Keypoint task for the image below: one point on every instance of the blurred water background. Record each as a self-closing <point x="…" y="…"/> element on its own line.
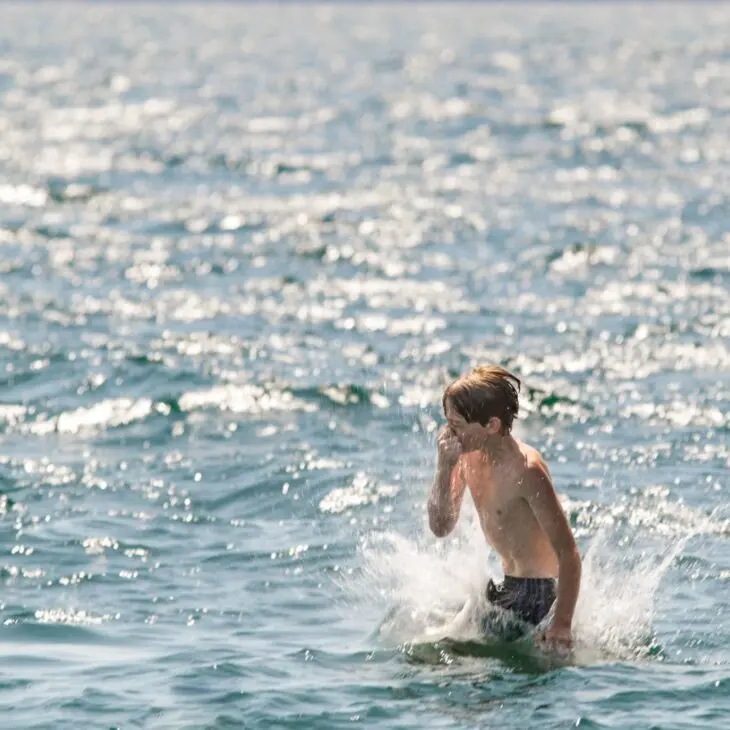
<point x="243" y="247"/>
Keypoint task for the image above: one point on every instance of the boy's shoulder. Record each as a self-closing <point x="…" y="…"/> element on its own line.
<point x="535" y="468"/>
<point x="533" y="459"/>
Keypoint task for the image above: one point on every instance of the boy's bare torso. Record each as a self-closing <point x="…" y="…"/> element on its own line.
<point x="507" y="520"/>
<point x="520" y="513"/>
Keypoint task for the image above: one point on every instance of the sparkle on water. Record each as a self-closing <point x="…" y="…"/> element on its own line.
<point x="243" y="248"/>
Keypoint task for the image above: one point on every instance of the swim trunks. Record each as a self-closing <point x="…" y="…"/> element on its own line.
<point x="529" y="599"/>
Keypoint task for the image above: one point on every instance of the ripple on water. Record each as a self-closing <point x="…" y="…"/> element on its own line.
<point x="241" y="253"/>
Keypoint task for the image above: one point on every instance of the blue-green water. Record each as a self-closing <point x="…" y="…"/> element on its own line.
<point x="242" y="248"/>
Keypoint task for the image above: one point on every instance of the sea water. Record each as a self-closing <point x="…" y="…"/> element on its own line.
<point x="243" y="247"/>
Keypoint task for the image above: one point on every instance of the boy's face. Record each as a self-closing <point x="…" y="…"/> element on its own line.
<point x="470" y="435"/>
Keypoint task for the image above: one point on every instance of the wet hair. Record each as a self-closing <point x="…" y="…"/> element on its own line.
<point x="485" y="392"/>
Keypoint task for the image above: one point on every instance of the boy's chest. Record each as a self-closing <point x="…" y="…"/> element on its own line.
<point x="494" y="491"/>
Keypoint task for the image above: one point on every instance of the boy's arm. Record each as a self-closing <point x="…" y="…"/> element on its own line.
<point x="540" y="495"/>
<point x="444" y="500"/>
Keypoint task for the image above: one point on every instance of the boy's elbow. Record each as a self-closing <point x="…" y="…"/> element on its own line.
<point x="440" y="529"/>
<point x="439" y="526"/>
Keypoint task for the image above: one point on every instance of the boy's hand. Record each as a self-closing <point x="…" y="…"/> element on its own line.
<point x="449" y="447"/>
<point x="556" y="638"/>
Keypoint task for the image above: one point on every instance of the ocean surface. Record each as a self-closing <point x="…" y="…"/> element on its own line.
<point x="242" y="250"/>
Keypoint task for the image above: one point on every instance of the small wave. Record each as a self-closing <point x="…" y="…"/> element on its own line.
<point x="348" y="395"/>
<point x="110" y="413"/>
<point x="72" y="617"/>
<point x="72" y="191"/>
<point x="362" y="491"/>
<point x="99" y="545"/>
<point x="679" y="414"/>
<point x="650" y="512"/>
<point x="24" y="195"/>
<point x="12" y="414"/>
<point x="250" y="398"/>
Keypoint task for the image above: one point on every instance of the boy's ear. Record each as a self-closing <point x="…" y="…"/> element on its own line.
<point x="494" y="425"/>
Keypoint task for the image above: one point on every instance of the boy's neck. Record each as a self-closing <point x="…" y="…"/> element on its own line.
<point x="499" y="447"/>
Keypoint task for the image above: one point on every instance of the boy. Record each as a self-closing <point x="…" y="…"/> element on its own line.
<point x="518" y="509"/>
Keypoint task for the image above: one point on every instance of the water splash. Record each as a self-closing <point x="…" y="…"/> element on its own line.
<point x="619" y="589"/>
<point x="435" y="590"/>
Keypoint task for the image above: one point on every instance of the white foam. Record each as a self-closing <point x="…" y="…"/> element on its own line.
<point x="619" y="587"/>
<point x="109" y="413"/>
<point x="362" y="491"/>
<point x="71" y="616"/>
<point x="12" y="414"/>
<point x="433" y="589"/>
<point x="243" y="399"/>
